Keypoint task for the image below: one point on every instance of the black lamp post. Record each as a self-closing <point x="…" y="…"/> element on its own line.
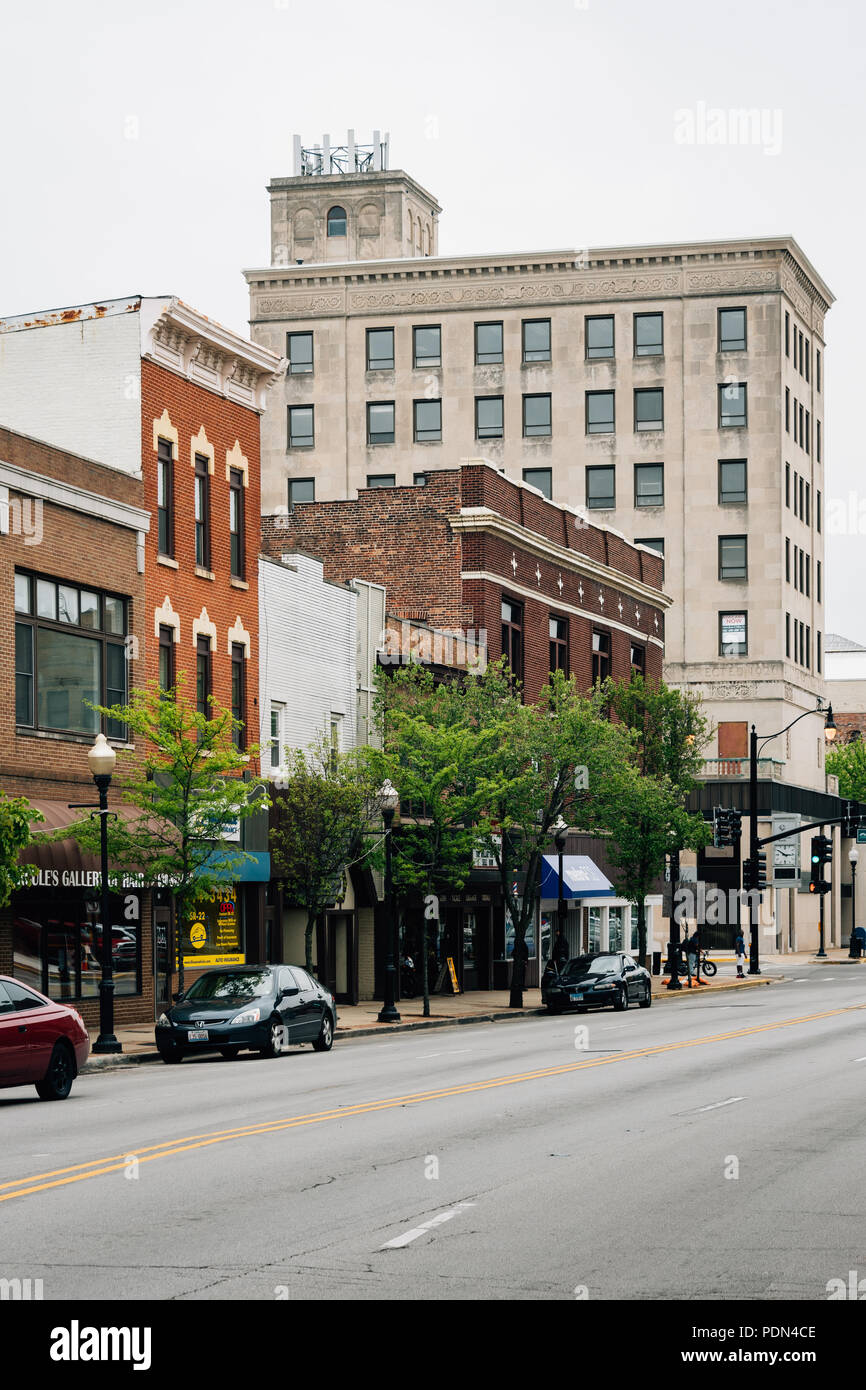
<point x="389" y="800"/>
<point x="830" y="732"/>
<point x="854" y="860"/>
<point x="101" y="760"/>
<point x="560" y="836"/>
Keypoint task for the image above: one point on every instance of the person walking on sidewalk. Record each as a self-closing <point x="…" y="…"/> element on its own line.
<point x="740" y="948"/>
<point x="693" y="956"/>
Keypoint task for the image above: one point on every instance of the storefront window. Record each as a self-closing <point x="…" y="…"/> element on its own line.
<point x="615" y="940"/>
<point x="57" y="942"/>
<point x="213" y="935"/>
<point x="594" y="929"/>
<point x="634" y="932"/>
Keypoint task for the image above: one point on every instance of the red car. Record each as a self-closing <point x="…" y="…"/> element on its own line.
<point x="42" y="1043"/>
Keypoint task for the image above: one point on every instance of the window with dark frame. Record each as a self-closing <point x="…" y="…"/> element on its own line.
<point x="600" y="412"/>
<point x="649" y="335"/>
<point x="489" y="417"/>
<point x="788" y="636"/>
<point x="542" y="478"/>
<point x="600" y="656"/>
<point x="638" y="660"/>
<point x="818" y="370"/>
<point x="337" y="222"/>
<point x="489" y="346"/>
<point x="819" y="651"/>
<point x="376" y="480"/>
<point x="599" y="336"/>
<point x="787" y="334"/>
<point x="302" y="433"/>
<point x="559" y="645"/>
<point x="732" y="405"/>
<point x="427" y="346"/>
<point x="732" y="330"/>
<point x="787" y="560"/>
<point x="512" y="636"/>
<point x="787" y="484"/>
<point x="734" y="634"/>
<point x="70" y="653"/>
<point x="380" y="422"/>
<point x="428" y="421"/>
<point x="733" y="486"/>
<point x="299" y="351"/>
<point x="601" y="487"/>
<point x="380" y="349"/>
<point x="649" y="410"/>
<point x="733" y="558"/>
<point x="236" y="522"/>
<point x="167" y="676"/>
<point x="202" y="512"/>
<point x="649" y="484"/>
<point x="536" y="340"/>
<point x="537" y="416"/>
<point x="203" y="679"/>
<point x="165" y="498"/>
<point x="301" y="490"/>
<point x="788" y="409"/>
<point x="239" y="711"/>
<point x="819" y="588"/>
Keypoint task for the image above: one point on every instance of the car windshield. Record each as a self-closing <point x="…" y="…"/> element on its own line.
<point x="235" y="987"/>
<point x="590" y="965"/>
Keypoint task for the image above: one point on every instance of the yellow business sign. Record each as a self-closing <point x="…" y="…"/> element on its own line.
<point x="453" y="973"/>
<point x="213" y="937"/>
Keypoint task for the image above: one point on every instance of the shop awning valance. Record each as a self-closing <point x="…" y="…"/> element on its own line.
<point x="581" y="878"/>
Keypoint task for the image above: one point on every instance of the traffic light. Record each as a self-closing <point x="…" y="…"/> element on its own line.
<point x="727" y="827"/>
<point x="822" y="853"/>
<point x="755" y="872"/>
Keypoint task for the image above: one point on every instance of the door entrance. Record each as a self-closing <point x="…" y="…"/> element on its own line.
<point x="161" y="959"/>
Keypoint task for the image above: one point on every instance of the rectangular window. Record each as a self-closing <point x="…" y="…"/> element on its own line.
<point x="819" y="588"/>
<point x="818" y="440"/>
<point x="808" y="433"/>
<point x="236" y="522"/>
<point x="381" y="480"/>
<point x="559" y="644"/>
<point x="732" y="330"/>
<point x="733" y="558"/>
<point x="165" y="497"/>
<point x="380" y="422"/>
<point x="428" y="422"/>
<point x="428" y="347"/>
<point x="512" y="636"/>
<point x="808" y="505"/>
<point x="796" y="642"/>
<point x="732" y="482"/>
<point x="732" y="405"/>
<point x="301" y="490"/>
<point x="649" y="410"/>
<point x="787" y="335"/>
<point x="649" y="484"/>
<point x="299" y="351"/>
<point x="537" y="412"/>
<point x="202" y="512"/>
<point x="276" y="739"/>
<point x="638" y="660"/>
<point x="167" y="678"/>
<point x="802" y="511"/>
<point x="489" y="417"/>
<point x="802" y="571"/>
<point x="489" y="348"/>
<point x="600" y="488"/>
<point x="419" y="480"/>
<point x="802" y="409"/>
<point x="203" y="676"/>
<point x="818" y="511"/>
<point x="788" y="409"/>
<point x="239" y="714"/>
<point x="808" y="576"/>
<point x="536" y="340"/>
<point x="796" y="437"/>
<point x="787" y="560"/>
<point x="649" y="335"/>
<point x="599" y="336"/>
<point x="542" y="478"/>
<point x="802" y="628"/>
<point x="800" y="359"/>
<point x="788" y="636"/>
<point x="600" y="412"/>
<point x="654" y="543"/>
<point x="380" y="349"/>
<point x="70" y="653"/>
<point x="302" y="433"/>
<point x="787" y="484"/>
<point x="796" y="569"/>
<point x="808" y="358"/>
<point x="600" y="656"/>
<point x="733" y="634"/>
<point x="819" y="651"/>
<point x="818" y="370"/>
<point x="808" y="649"/>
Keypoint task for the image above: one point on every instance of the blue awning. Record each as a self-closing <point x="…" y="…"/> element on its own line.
<point x="581" y="878"/>
<point x="250" y="868"/>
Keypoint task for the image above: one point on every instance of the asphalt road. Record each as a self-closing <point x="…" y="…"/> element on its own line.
<point x="707" y="1148"/>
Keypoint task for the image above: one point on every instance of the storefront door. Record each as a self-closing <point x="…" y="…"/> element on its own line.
<point x="161" y="959"/>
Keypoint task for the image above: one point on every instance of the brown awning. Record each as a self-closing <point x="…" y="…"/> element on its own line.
<point x="65" y="856"/>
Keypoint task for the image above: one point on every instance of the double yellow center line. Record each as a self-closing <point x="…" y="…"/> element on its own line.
<point x="114" y="1163"/>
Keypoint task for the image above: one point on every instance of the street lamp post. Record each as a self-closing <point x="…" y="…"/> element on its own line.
<point x="101" y="760"/>
<point x="389" y="801"/>
<point x="754" y="838"/>
<point x="560" y="835"/>
<point x="854" y="860"/>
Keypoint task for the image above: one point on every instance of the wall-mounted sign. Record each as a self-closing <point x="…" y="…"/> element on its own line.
<point x="213" y="936"/>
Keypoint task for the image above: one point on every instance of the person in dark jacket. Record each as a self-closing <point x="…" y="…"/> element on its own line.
<point x="740" y="949"/>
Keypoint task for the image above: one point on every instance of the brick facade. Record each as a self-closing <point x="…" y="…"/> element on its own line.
<point x="449" y="552"/>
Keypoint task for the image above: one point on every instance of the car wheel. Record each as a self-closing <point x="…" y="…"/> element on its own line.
<point x="57" y="1081"/>
<point x="620" y="1004"/>
<point x="274" y="1045"/>
<point x="172" y="1055"/>
<point x="229" y="1053"/>
<point x="325" y="1041"/>
<point x="646" y="1002"/>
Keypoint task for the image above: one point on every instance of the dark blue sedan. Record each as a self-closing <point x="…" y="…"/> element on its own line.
<point x="604" y="980"/>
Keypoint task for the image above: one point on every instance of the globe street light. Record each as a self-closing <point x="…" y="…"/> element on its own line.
<point x="389" y="800"/>
<point x="101" y="760"/>
<point x="560" y="833"/>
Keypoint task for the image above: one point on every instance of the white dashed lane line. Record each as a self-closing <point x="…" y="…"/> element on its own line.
<point x="720" y="1105"/>
<point x="418" y="1231"/>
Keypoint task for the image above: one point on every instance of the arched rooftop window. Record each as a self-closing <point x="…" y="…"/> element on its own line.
<point x="337" y="222"/>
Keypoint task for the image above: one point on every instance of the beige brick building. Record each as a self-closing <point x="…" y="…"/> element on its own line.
<point x="674" y="392"/>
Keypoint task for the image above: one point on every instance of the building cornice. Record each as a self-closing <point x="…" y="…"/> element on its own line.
<point x="76" y="499"/>
<point x="511" y="586"/>
<point x="193" y="346"/>
<point x="471" y="520"/>
<point x="370" y="179"/>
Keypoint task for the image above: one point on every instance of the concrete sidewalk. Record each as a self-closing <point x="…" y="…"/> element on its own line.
<point x="361" y="1020"/>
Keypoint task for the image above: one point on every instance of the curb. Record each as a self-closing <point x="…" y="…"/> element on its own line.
<point x="118" y="1063"/>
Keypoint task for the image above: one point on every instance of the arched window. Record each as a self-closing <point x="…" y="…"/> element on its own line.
<point x="337" y="222"/>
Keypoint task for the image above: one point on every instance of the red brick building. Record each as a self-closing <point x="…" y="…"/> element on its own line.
<point x="472" y="551"/>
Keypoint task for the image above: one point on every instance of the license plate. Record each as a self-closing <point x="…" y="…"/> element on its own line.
<point x="201" y="1035"/>
<point x="576" y="998"/>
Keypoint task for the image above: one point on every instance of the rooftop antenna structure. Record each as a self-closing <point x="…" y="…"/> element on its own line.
<point x="351" y="158"/>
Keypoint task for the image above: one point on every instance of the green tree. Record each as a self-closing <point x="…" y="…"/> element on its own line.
<point x="185" y="797"/>
<point x="16" y="819"/>
<point x="431" y="749"/>
<point x="848" y="763"/>
<point x="325" y="807"/>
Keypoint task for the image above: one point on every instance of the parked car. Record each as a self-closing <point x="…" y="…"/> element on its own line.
<point x="261" y="1008"/>
<point x="43" y="1043"/>
<point x="603" y="980"/>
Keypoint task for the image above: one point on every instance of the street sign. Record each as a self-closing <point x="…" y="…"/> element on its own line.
<point x="861" y="835"/>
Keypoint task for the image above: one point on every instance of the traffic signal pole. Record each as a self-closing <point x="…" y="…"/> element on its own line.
<point x="754" y="848"/>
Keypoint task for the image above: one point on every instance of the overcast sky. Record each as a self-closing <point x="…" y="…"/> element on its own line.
<point x="138" y="139"/>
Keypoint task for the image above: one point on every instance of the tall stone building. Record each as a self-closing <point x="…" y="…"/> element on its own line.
<point x="674" y="392"/>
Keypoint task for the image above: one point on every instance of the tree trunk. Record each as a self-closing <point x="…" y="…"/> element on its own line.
<point x="308" y="941"/>
<point x="424" y="970"/>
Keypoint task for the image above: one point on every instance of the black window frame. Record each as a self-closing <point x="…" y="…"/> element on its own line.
<point x="166" y="650"/>
<point x="606" y="352"/>
<point x="602" y="650"/>
<point x="381" y="364"/>
<point x="202" y="523"/>
<point x="165" y="488"/>
<point x="727" y="423"/>
<point x="538" y="354"/>
<point x="656" y="352"/>
<point x="548" y="473"/>
<point x="239" y="695"/>
<point x="426" y="436"/>
<point x="734" y="613"/>
<point x="422" y="362"/>
<point x="737" y="574"/>
<point x="309" y="439"/>
<point x="591" y="504"/>
<point x="558" y="644"/>
<point x="237" y="557"/>
<point x="637" y="659"/>
<point x="491" y="360"/>
<point x="334" y="220"/>
<point x="300" y="501"/>
<point x="538" y="432"/>
<point x="642" y="392"/>
<point x="381" y="481"/>
<point x="741" y="344"/>
<point x="741" y="497"/>
<point x="203" y="675"/>
<point x="489" y="431"/>
<point x="300" y="369"/>
<point x="513" y="630"/>
<point x="377" y="440"/>
<point x="595" y="395"/>
<point x="639" y="470"/>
